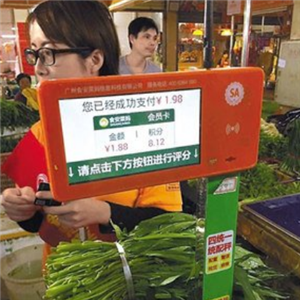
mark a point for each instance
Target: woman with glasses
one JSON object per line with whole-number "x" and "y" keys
{"x": 73, "y": 39}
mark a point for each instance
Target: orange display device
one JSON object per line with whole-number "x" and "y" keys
{"x": 115, "y": 133}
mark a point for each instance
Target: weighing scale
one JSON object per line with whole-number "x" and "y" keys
{"x": 109, "y": 134}
{"x": 273, "y": 226}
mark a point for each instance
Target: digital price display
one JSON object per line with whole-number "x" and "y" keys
{"x": 130, "y": 134}
{"x": 109, "y": 134}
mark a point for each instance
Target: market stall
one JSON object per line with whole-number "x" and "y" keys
{"x": 223, "y": 108}
{"x": 215, "y": 104}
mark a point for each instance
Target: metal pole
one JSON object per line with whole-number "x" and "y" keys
{"x": 231, "y": 39}
{"x": 262, "y": 24}
{"x": 208, "y": 31}
{"x": 246, "y": 33}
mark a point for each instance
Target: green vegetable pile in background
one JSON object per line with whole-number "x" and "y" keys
{"x": 270, "y": 108}
{"x": 165, "y": 259}
{"x": 15, "y": 115}
{"x": 261, "y": 182}
{"x": 272, "y": 148}
{"x": 291, "y": 161}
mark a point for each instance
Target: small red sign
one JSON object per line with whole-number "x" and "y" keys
{"x": 23, "y": 43}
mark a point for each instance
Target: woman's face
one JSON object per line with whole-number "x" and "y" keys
{"x": 24, "y": 83}
{"x": 67, "y": 65}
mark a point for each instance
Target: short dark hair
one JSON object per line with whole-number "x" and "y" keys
{"x": 21, "y": 76}
{"x": 85, "y": 23}
{"x": 141, "y": 24}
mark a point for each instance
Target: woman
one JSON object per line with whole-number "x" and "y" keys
{"x": 27, "y": 95}
{"x": 224, "y": 60}
{"x": 24, "y": 81}
{"x": 77, "y": 39}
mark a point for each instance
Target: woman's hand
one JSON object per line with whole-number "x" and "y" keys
{"x": 19, "y": 204}
{"x": 81, "y": 213}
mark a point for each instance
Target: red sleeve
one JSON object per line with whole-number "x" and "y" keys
{"x": 27, "y": 163}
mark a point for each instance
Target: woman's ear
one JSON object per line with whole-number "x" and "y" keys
{"x": 95, "y": 62}
{"x": 131, "y": 38}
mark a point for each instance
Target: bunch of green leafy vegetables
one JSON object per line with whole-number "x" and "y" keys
{"x": 291, "y": 161}
{"x": 261, "y": 182}
{"x": 272, "y": 147}
{"x": 15, "y": 114}
{"x": 165, "y": 255}
{"x": 254, "y": 280}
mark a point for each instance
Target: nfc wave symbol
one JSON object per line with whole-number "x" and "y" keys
{"x": 232, "y": 128}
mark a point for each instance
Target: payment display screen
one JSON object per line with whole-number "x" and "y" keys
{"x": 119, "y": 135}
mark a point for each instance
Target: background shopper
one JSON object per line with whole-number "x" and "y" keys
{"x": 224, "y": 60}
{"x": 143, "y": 40}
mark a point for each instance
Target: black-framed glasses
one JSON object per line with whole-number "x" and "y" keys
{"x": 47, "y": 55}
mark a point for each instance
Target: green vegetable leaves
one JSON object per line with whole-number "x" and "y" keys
{"x": 161, "y": 257}
{"x": 261, "y": 183}
{"x": 165, "y": 259}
